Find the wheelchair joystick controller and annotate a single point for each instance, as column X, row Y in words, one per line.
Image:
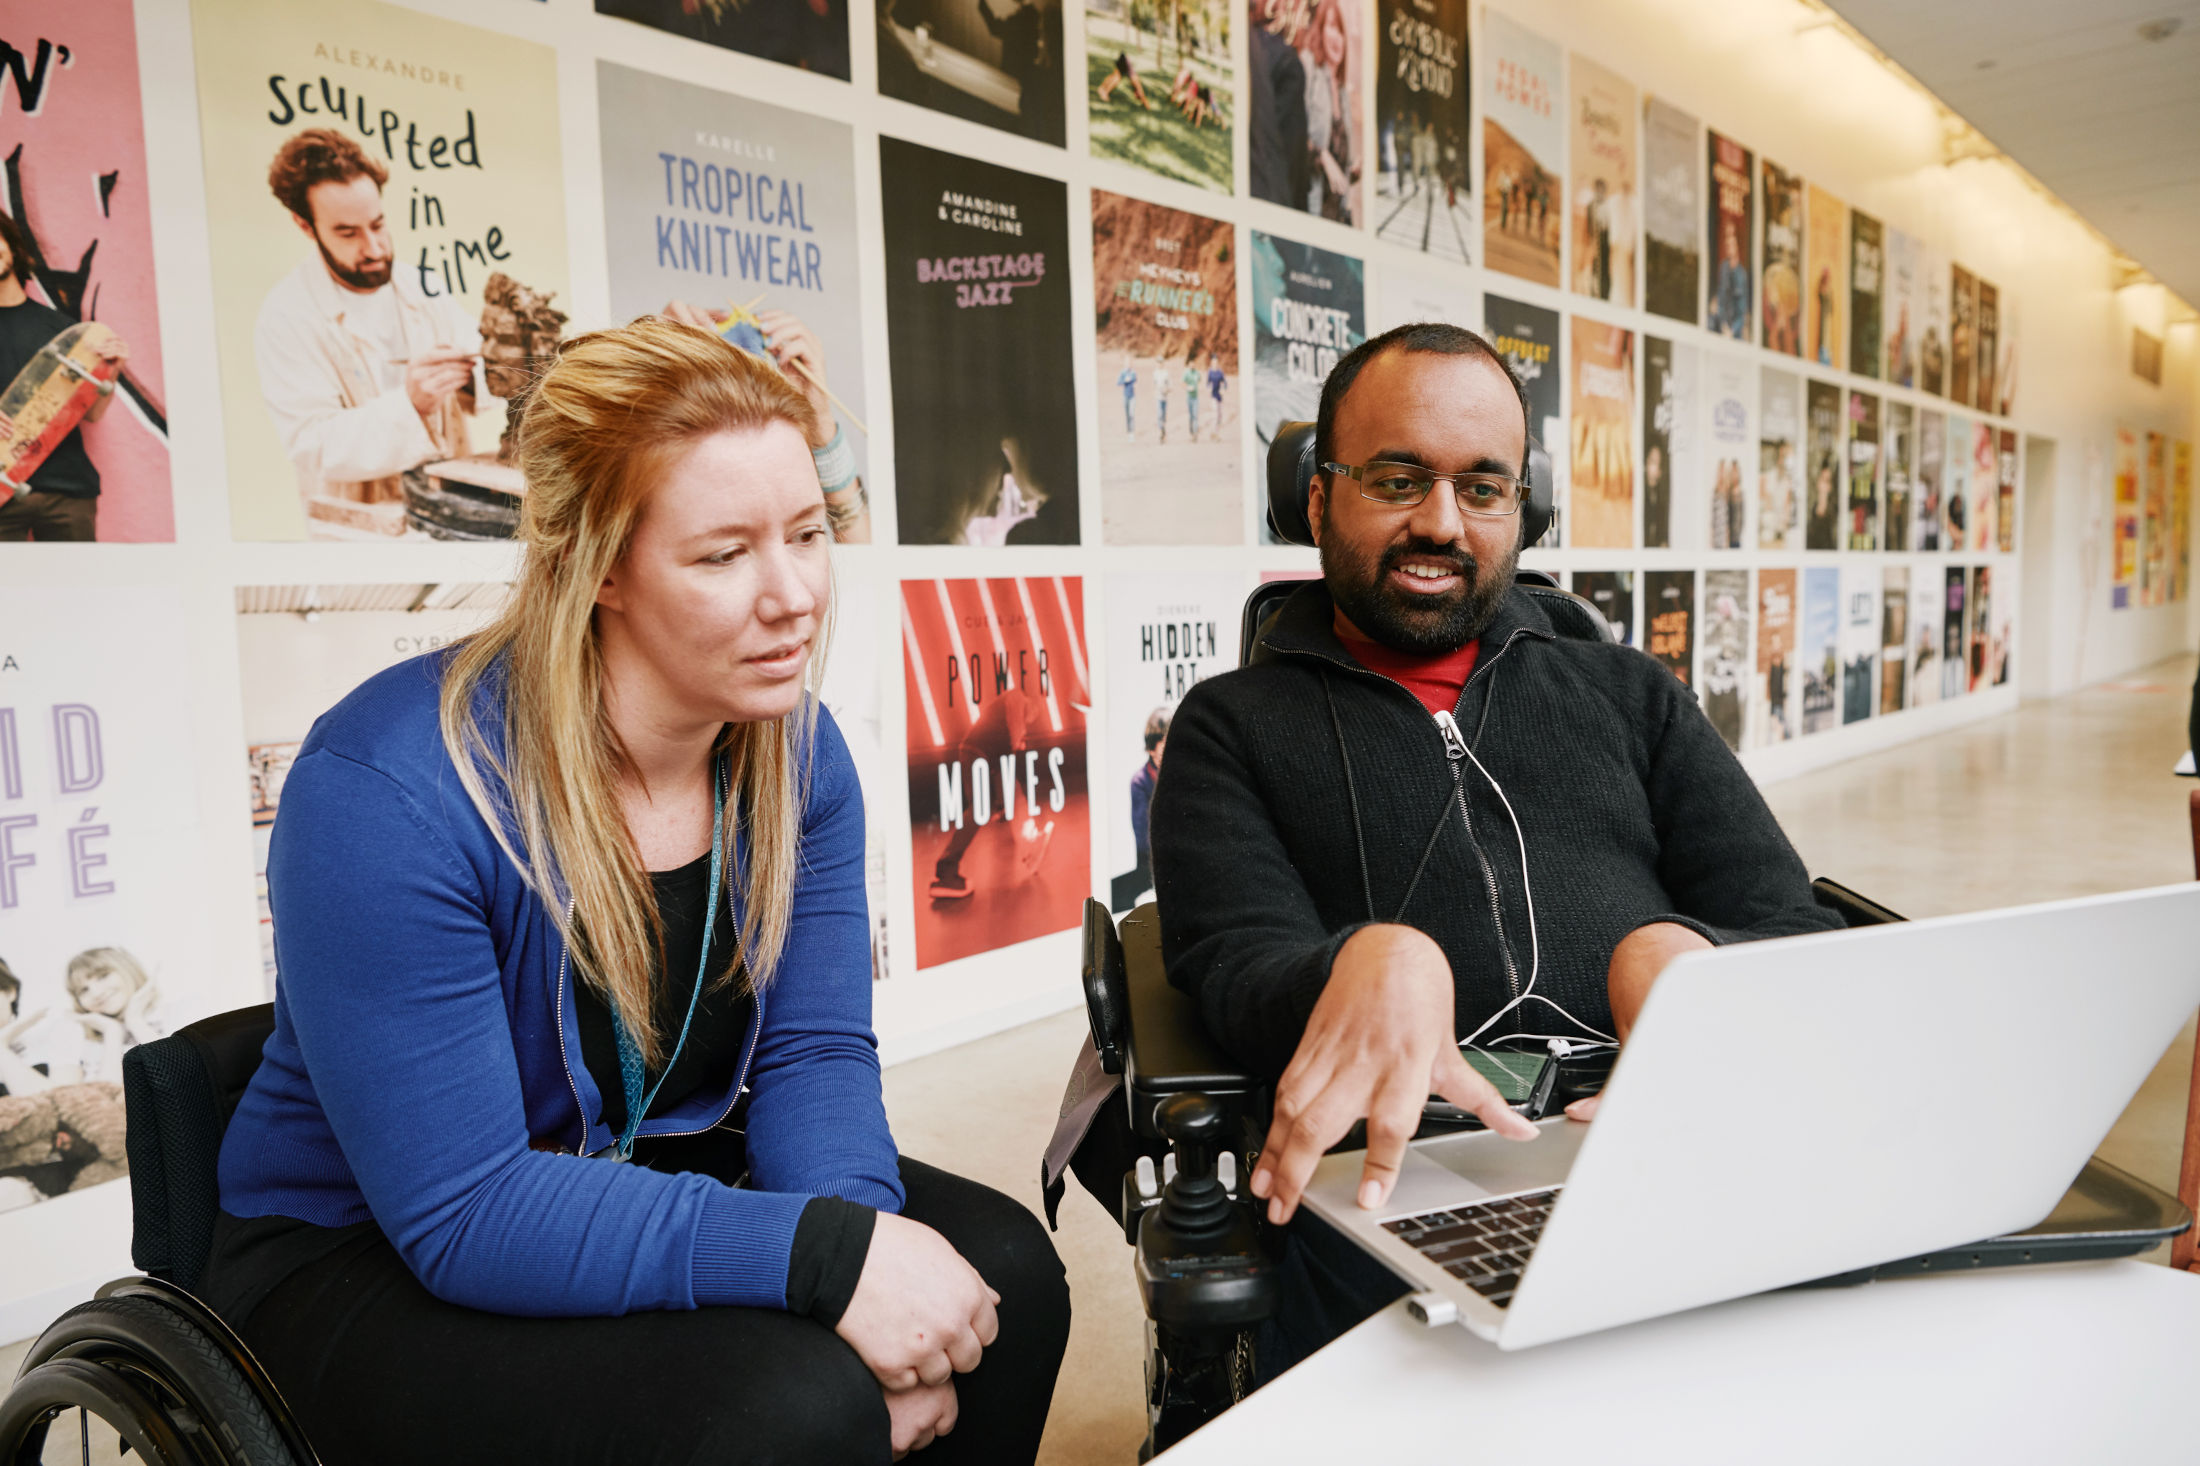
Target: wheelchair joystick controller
column 1194, row 1202
column 1201, row 1264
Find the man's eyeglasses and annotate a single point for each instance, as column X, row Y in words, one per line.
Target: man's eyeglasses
column 1490, row 495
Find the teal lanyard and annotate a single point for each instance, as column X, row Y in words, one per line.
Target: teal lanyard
column 631, row 1072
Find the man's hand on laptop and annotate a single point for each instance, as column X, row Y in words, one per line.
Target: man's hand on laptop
column 1378, row 1043
column 1636, row 962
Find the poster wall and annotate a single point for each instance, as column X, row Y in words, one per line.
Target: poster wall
column 1166, row 351
column 1424, row 189
column 996, row 690
column 1672, row 460
column 810, row 34
column 1781, row 460
column 1956, row 497
column 1821, row 651
column 1962, row 334
column 1731, row 388
column 1859, row 642
column 1987, row 351
column 1822, row 452
column 389, row 263
column 1309, row 309
column 1672, row 200
column 978, row 339
column 1932, row 342
column 1782, row 264
column 76, row 189
column 1728, row 294
column 1867, row 287
column 1897, row 465
column 998, row 62
column 1160, row 92
column 1985, row 486
column 1903, row 308
column 1861, row 529
column 1605, row 208
column 1930, row 480
column 1777, row 688
column 1955, row 655
column 1527, row 336
column 1523, row 143
column 1827, row 302
column 1601, row 484
column 1725, row 653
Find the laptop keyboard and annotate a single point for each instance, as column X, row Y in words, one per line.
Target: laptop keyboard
column 1485, row 1245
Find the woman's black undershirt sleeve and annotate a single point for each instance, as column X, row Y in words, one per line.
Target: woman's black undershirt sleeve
column 830, row 1243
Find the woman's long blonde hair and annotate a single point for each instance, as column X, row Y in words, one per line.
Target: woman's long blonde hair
column 599, row 432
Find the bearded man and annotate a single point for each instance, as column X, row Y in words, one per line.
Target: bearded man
column 1421, row 817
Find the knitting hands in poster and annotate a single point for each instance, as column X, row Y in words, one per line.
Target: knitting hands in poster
column 1378, row 1043
column 794, row 348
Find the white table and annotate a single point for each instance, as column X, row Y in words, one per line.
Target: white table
column 2080, row 1363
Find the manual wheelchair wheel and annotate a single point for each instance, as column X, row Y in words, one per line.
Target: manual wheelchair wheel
column 159, row 1385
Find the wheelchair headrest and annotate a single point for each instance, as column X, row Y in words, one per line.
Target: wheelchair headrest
column 1291, row 469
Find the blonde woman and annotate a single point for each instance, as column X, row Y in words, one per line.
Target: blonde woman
column 588, row 889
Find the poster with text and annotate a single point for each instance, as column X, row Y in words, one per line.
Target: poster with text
column 1978, row 615
column 1827, row 301
column 1306, row 151
column 1424, row 186
column 1902, row 308
column 1731, row 389
column 1601, row 482
column 996, row 690
column 978, row 340
column 1612, row 592
column 1777, row 689
column 1523, row 143
column 1897, row 465
column 1166, row 351
column 1932, row 340
column 2154, row 551
column 1894, row 638
column 1822, row 487
column 2124, row 572
column 740, row 210
column 2005, row 486
column 998, row 62
column 1927, row 597
column 1160, row 91
column 1604, row 206
column 1672, row 201
column 1783, row 261
column 1985, row 485
column 1672, row 456
column 1867, row 289
column 811, row 34
column 105, row 936
column 1955, row 496
column 1985, row 353
column 1821, row 649
column 1725, row 653
column 1930, row 480
column 1166, row 633
column 1729, row 299
column 1527, row 336
column 1309, row 309
column 386, row 202
column 76, row 188
column 1669, row 620
column 1405, row 295
column 1781, row 460
column 1861, row 524
column 1859, row 641
column 1955, row 654
column 1962, row 333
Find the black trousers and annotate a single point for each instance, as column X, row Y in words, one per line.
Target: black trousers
column 379, row 1370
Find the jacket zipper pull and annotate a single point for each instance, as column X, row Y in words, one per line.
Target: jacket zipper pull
column 1455, row 744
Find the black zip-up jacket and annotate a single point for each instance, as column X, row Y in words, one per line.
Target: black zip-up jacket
column 1304, row 797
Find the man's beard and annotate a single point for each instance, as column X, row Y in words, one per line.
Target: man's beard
column 1409, row 621
column 371, row 278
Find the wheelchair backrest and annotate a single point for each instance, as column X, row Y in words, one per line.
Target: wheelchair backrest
column 181, row 1091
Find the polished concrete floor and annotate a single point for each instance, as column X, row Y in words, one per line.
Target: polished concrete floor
column 2063, row 798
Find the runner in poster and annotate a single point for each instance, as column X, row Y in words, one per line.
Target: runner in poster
column 1727, row 291
column 978, row 339
column 1932, row 342
column 1867, row 282
column 1612, row 592
column 1985, row 485
column 1954, row 648
column 1669, row 613
column 1165, row 298
column 1726, row 676
column 1777, row 690
column 76, row 227
column 1310, row 158
column 1166, row 633
column 1734, row 445
column 720, row 209
column 1826, row 300
column 998, row 62
column 996, row 693
column 1780, row 460
column 1160, row 93
column 1527, row 336
column 1309, row 309
column 1896, row 470
column 1424, row 187
column 811, row 34
column 1903, row 309
column 1602, row 478
column 1927, row 597
column 1859, row 641
column 1962, row 334
column 2005, row 484
column 1894, row 639
column 389, row 265
column 1932, row 476
column 1522, row 142
column 1862, row 529
column 1986, row 355
column 1604, row 206
column 1672, row 201
column 1821, row 653
column 1671, row 451
column 1783, row 260
column 1822, row 467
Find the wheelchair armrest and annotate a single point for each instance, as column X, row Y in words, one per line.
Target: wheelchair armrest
column 1169, row 1050
column 1853, row 909
column 1107, row 1005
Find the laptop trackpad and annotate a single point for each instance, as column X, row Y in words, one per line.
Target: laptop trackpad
column 1499, row 1166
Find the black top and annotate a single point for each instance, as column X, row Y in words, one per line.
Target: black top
column 24, row 331
column 1305, row 796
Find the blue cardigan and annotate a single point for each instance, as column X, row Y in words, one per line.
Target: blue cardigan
column 425, row 1067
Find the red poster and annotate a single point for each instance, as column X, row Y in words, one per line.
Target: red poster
column 997, row 690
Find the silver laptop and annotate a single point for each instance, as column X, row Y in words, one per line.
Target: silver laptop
column 1910, row 1087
